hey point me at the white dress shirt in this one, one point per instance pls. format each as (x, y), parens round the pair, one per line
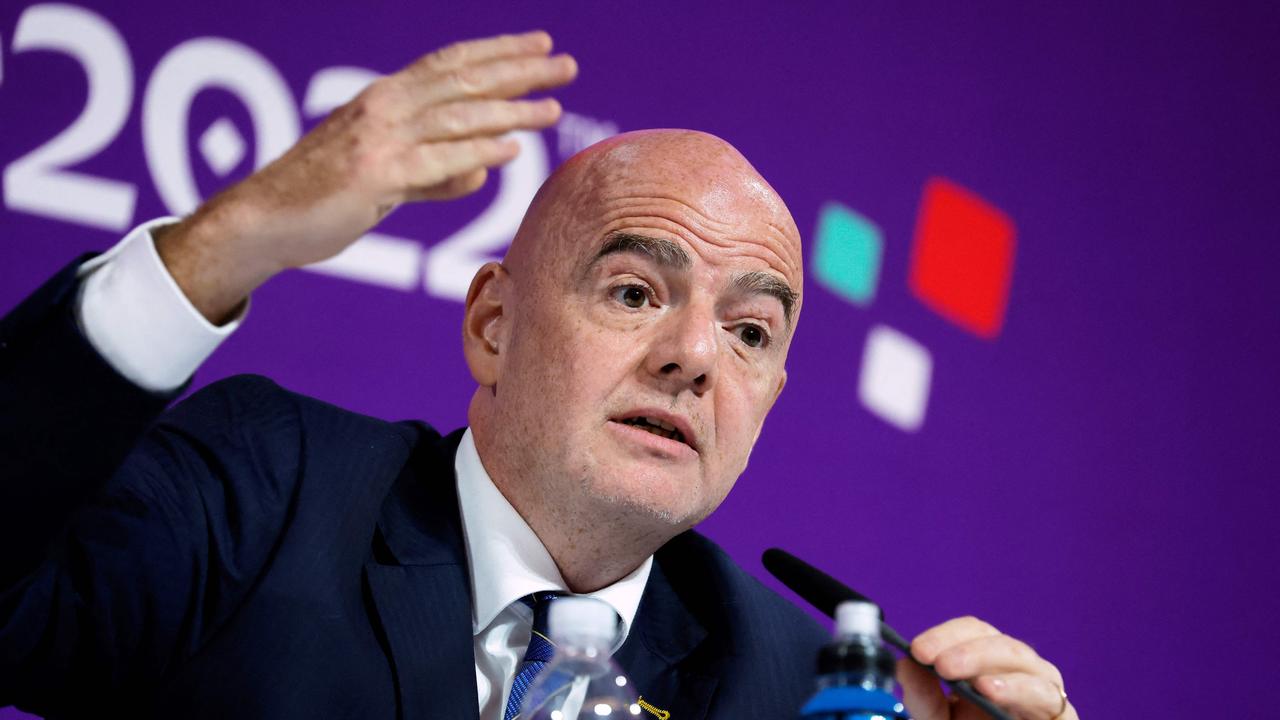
(508, 562)
(137, 318)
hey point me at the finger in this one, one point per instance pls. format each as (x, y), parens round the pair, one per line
(505, 78)
(433, 163)
(921, 692)
(470, 52)
(929, 644)
(454, 187)
(1028, 696)
(457, 120)
(992, 655)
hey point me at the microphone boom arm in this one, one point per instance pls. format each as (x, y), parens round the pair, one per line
(826, 593)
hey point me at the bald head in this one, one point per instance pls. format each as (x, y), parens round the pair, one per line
(716, 186)
(630, 345)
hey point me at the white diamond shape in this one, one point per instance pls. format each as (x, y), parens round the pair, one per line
(222, 146)
(895, 378)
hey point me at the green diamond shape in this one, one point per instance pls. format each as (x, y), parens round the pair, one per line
(846, 260)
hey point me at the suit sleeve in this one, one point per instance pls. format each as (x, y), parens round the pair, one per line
(67, 420)
(125, 540)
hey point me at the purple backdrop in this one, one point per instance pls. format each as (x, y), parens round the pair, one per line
(1097, 478)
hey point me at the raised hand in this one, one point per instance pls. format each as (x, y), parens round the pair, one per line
(427, 132)
(1004, 669)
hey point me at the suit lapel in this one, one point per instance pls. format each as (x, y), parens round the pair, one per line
(657, 653)
(426, 615)
(421, 588)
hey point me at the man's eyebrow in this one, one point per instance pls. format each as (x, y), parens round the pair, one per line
(764, 283)
(662, 251)
(668, 253)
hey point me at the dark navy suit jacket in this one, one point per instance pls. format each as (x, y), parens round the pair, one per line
(258, 553)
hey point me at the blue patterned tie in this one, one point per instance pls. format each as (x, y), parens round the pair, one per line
(537, 655)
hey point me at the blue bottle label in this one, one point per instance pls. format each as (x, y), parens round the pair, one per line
(852, 703)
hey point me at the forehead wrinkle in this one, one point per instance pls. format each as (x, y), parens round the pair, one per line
(661, 250)
(732, 247)
(696, 188)
(626, 204)
(789, 239)
(699, 224)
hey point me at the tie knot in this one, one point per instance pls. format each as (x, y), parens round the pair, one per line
(539, 652)
(540, 603)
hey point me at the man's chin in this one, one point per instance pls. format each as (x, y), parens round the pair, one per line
(658, 502)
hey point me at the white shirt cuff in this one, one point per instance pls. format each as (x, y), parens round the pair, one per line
(138, 319)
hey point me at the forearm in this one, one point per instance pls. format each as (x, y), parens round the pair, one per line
(217, 255)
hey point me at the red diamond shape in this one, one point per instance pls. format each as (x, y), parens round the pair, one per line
(962, 262)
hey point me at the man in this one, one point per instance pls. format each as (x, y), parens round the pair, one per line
(264, 554)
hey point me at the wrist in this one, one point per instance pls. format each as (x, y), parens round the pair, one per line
(212, 258)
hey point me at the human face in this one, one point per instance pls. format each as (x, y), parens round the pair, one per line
(675, 306)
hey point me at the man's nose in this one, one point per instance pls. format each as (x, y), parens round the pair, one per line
(685, 352)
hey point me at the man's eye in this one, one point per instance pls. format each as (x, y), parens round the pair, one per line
(752, 335)
(633, 296)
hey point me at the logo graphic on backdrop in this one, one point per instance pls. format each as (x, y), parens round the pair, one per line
(961, 257)
(961, 267)
(40, 182)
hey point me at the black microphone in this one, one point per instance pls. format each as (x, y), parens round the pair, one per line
(826, 593)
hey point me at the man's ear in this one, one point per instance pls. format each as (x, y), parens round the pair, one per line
(484, 323)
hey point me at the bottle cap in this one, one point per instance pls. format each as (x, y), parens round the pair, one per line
(854, 617)
(582, 618)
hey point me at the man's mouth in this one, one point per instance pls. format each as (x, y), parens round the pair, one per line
(657, 427)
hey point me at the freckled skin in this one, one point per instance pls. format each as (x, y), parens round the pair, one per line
(558, 352)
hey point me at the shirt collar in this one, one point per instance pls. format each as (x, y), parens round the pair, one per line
(507, 559)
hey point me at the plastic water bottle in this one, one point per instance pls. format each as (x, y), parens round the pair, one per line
(855, 672)
(582, 680)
